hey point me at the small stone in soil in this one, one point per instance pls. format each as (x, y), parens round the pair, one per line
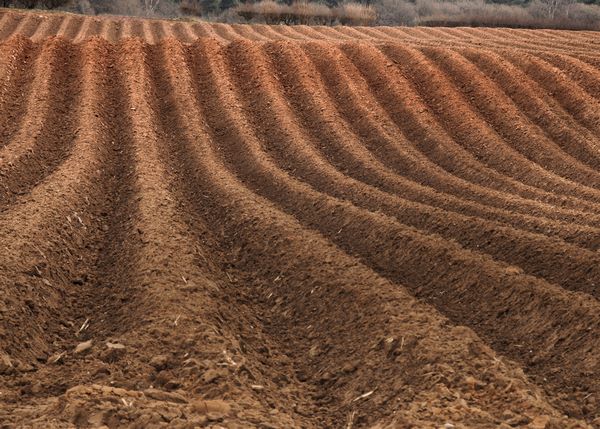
(82, 347)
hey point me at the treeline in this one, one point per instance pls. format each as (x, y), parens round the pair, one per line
(565, 14)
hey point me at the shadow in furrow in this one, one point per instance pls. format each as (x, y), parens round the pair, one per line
(46, 131)
(438, 272)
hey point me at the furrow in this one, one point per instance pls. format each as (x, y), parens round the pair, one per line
(248, 32)
(289, 31)
(457, 281)
(168, 31)
(173, 152)
(536, 254)
(70, 27)
(466, 127)
(205, 30)
(513, 126)
(46, 131)
(374, 33)
(134, 28)
(582, 72)
(148, 30)
(8, 24)
(567, 92)
(225, 32)
(389, 146)
(310, 32)
(399, 34)
(351, 99)
(94, 29)
(420, 123)
(540, 108)
(27, 25)
(84, 30)
(49, 27)
(158, 30)
(352, 33)
(417, 121)
(51, 234)
(16, 80)
(109, 30)
(254, 229)
(181, 32)
(269, 32)
(330, 33)
(174, 265)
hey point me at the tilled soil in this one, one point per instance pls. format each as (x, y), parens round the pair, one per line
(210, 225)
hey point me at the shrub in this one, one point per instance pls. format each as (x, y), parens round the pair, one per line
(303, 12)
(395, 12)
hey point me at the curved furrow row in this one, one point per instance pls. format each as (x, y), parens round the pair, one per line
(107, 30)
(46, 131)
(561, 38)
(16, 81)
(303, 31)
(49, 27)
(489, 38)
(256, 232)
(174, 268)
(578, 69)
(465, 125)
(514, 127)
(8, 23)
(509, 37)
(374, 33)
(70, 26)
(247, 32)
(567, 92)
(540, 108)
(410, 109)
(52, 234)
(94, 29)
(173, 152)
(313, 32)
(83, 31)
(270, 32)
(401, 34)
(125, 30)
(537, 254)
(354, 100)
(573, 40)
(28, 25)
(160, 31)
(353, 33)
(327, 33)
(414, 121)
(287, 32)
(441, 34)
(181, 31)
(501, 38)
(202, 30)
(456, 281)
(387, 143)
(225, 32)
(149, 32)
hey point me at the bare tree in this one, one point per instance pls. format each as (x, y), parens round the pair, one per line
(556, 7)
(150, 6)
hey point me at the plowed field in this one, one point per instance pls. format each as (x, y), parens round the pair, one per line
(250, 226)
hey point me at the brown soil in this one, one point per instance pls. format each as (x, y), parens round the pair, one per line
(234, 226)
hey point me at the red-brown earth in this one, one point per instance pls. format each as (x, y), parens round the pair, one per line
(235, 226)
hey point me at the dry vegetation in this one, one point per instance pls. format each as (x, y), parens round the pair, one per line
(479, 13)
(559, 14)
(304, 12)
